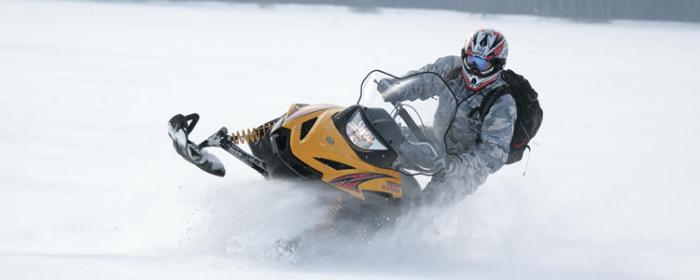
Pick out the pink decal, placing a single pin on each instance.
(350, 182)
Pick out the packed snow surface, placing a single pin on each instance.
(92, 189)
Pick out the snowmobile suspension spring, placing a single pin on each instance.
(251, 135)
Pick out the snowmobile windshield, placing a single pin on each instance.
(423, 106)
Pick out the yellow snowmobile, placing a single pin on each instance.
(371, 150)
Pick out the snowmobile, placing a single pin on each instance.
(371, 150)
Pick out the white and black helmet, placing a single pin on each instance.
(483, 57)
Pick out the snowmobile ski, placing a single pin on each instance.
(179, 128)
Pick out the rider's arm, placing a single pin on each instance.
(443, 66)
(430, 85)
(492, 152)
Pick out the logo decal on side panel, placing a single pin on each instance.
(392, 187)
(351, 181)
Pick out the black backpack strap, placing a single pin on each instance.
(489, 100)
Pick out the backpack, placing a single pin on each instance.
(529, 116)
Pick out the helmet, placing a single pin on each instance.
(483, 56)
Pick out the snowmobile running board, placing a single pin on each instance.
(179, 128)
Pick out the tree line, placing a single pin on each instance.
(595, 10)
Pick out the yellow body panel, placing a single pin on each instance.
(325, 141)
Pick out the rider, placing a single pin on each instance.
(475, 147)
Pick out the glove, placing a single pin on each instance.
(384, 84)
(384, 87)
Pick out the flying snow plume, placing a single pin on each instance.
(245, 219)
(258, 220)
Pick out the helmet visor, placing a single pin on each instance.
(477, 63)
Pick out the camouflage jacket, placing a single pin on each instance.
(475, 147)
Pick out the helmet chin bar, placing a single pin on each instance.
(475, 83)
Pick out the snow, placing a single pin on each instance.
(92, 189)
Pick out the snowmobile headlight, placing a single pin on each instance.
(360, 135)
